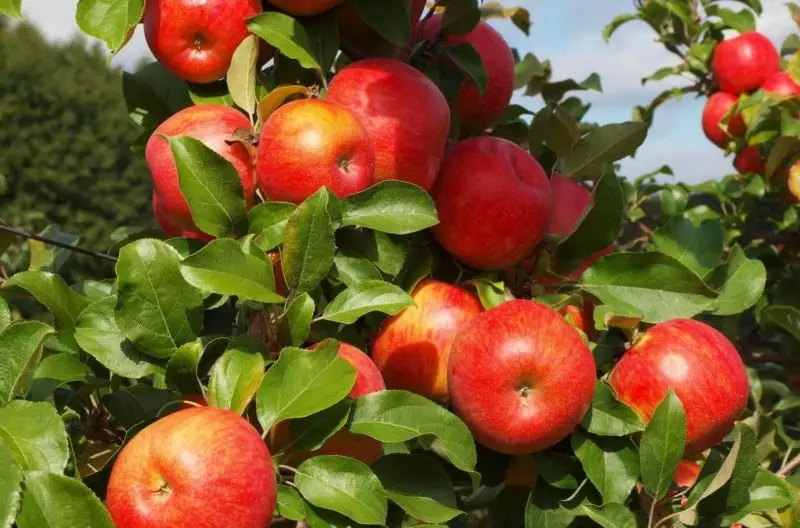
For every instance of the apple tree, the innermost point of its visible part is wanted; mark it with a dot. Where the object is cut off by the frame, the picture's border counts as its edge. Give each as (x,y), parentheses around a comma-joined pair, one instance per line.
(380,293)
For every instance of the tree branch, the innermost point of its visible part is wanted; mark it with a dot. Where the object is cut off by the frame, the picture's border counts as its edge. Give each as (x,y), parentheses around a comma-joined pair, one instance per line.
(789,467)
(51,242)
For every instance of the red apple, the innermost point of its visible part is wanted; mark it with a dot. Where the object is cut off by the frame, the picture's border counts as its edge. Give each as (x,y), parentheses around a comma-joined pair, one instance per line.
(478,111)
(714,110)
(196,40)
(214,125)
(493,200)
(742,64)
(362,37)
(305,7)
(412,348)
(311,143)
(748,160)
(581,318)
(200,467)
(173,231)
(520,377)
(573,199)
(686,473)
(699,364)
(406,115)
(781,83)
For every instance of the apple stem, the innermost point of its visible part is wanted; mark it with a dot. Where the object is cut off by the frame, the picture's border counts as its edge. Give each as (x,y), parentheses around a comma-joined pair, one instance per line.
(51,242)
(789,467)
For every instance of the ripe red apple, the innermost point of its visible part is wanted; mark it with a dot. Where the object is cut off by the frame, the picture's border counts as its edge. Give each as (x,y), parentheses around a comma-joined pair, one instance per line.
(311,143)
(699,364)
(173,231)
(581,318)
(520,377)
(493,200)
(781,83)
(406,115)
(362,37)
(573,199)
(748,160)
(714,110)
(686,473)
(214,125)
(742,64)
(200,467)
(478,111)
(305,7)
(196,40)
(412,348)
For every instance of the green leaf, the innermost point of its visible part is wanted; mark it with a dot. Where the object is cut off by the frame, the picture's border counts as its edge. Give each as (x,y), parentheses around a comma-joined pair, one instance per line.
(469,61)
(51,258)
(734,493)
(390,206)
(343,485)
(182,369)
(698,248)
(290,503)
(224,267)
(544,509)
(490,293)
(211,186)
(612,464)
(390,19)
(303,382)
(311,432)
(370,296)
(11,9)
(741,21)
(419,485)
(56,501)
(157,310)
(152,94)
(97,333)
(611,515)
(296,326)
(241,77)
(10,486)
(308,249)
(653,285)
(323,34)
(236,376)
(388,253)
(55,371)
(35,435)
(608,416)
(353,270)
(460,17)
(393,416)
(268,221)
(136,404)
(555,127)
(767,492)
(662,445)
(286,35)
(5,314)
(785,317)
(558,469)
(21,344)
(605,144)
(741,282)
(111,21)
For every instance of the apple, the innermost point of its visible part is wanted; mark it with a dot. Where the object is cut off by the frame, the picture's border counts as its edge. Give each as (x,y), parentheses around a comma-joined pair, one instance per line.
(742,64)
(478,111)
(362,37)
(196,40)
(581,318)
(493,200)
(173,231)
(699,364)
(573,199)
(411,349)
(305,7)
(216,126)
(748,160)
(714,110)
(793,182)
(311,143)
(520,377)
(686,473)
(521,472)
(405,114)
(781,83)
(201,467)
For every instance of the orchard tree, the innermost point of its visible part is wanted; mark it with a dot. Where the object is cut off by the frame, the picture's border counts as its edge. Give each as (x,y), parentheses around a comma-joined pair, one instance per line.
(381,294)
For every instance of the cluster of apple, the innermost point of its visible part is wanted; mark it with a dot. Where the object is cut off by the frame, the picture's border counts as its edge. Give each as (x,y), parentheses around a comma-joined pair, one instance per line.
(743,65)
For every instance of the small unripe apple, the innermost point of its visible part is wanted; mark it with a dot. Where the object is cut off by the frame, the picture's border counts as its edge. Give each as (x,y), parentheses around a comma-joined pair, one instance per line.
(305,7)
(793,181)
(781,83)
(196,40)
(748,160)
(520,377)
(200,467)
(742,64)
(311,143)
(714,110)
(411,349)
(494,203)
(699,364)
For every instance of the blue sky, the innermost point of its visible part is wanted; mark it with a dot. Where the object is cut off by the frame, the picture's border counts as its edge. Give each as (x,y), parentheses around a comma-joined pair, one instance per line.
(568,32)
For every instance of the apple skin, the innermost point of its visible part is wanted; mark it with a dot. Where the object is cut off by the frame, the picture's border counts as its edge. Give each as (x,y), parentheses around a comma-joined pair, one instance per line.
(742,64)
(174,471)
(781,83)
(686,473)
(520,377)
(213,125)
(311,143)
(412,348)
(366,40)
(478,111)
(305,7)
(173,231)
(793,182)
(573,200)
(699,364)
(196,40)
(748,160)
(494,203)
(714,110)
(406,115)
(581,318)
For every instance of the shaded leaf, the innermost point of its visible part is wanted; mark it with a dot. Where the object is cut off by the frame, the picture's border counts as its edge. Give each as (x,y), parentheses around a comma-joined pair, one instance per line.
(390,19)
(605,144)
(699,248)
(55,371)
(268,222)
(608,416)
(286,35)
(662,445)
(612,464)
(466,57)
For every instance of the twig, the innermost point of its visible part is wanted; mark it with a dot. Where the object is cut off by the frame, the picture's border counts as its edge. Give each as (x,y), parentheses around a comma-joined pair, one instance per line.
(789,467)
(51,242)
